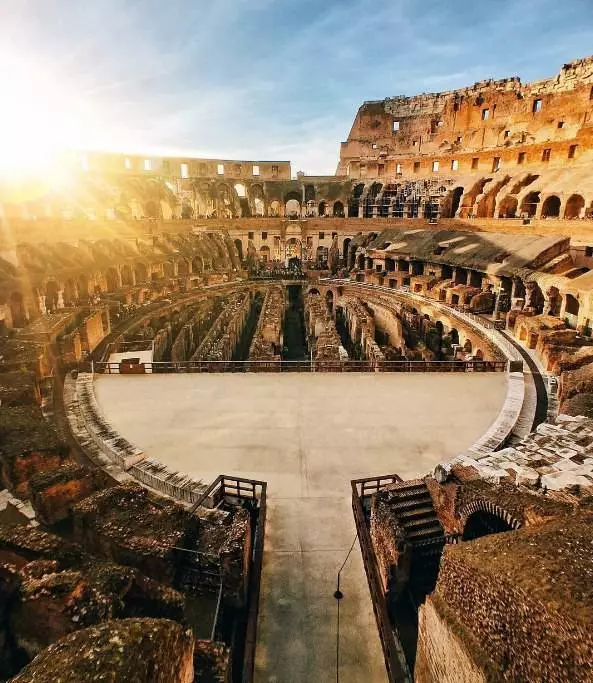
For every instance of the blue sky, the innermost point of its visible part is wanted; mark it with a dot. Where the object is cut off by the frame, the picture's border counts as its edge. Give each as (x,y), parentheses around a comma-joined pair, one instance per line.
(268,79)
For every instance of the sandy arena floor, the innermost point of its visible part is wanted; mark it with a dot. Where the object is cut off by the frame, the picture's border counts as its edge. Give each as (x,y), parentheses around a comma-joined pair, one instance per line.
(307,435)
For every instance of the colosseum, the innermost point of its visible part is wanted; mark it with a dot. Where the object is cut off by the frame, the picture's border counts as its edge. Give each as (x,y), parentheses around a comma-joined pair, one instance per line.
(258,427)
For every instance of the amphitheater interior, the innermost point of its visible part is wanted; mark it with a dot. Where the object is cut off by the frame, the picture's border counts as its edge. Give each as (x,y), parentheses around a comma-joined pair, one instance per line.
(257,427)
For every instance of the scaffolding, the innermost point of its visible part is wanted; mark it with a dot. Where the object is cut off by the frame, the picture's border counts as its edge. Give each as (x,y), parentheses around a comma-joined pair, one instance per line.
(406,198)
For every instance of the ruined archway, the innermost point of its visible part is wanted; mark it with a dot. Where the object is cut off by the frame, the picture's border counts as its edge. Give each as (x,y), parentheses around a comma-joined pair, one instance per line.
(508,207)
(481,518)
(551,207)
(321,208)
(354,200)
(292,204)
(529,204)
(574,206)
(127,275)
(338,210)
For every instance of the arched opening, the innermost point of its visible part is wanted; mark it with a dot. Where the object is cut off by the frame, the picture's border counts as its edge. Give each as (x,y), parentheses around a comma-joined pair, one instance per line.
(112,280)
(482,523)
(151,209)
(127,276)
(292,202)
(260,208)
(551,207)
(574,206)
(354,200)
(572,305)
(321,256)
(456,201)
(345,248)
(239,248)
(321,209)
(187,210)
(141,272)
(467,347)
(183,267)
(309,193)
(83,288)
(338,210)
(197,265)
(529,204)
(571,311)
(454,336)
(17,310)
(264,254)
(275,209)
(371,205)
(508,207)
(51,296)
(294,249)
(329,299)
(479,354)
(70,293)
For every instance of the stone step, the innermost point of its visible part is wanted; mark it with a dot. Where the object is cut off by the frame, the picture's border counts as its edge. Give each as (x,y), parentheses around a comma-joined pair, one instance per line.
(410,503)
(434,530)
(420,522)
(414,512)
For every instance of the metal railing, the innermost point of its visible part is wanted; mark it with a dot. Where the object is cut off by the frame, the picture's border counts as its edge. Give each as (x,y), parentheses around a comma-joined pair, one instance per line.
(297,366)
(395,662)
(236,490)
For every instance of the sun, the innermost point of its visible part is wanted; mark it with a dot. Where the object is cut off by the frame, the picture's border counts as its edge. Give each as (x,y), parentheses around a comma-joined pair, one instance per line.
(40,118)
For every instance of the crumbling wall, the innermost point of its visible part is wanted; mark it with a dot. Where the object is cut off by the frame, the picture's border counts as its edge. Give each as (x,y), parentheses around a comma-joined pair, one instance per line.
(521,601)
(139,650)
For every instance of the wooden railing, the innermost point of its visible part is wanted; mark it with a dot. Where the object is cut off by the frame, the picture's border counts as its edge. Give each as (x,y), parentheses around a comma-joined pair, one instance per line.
(395,662)
(234,490)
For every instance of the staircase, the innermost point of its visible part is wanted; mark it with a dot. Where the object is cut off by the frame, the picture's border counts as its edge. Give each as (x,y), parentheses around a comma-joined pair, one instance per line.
(412,506)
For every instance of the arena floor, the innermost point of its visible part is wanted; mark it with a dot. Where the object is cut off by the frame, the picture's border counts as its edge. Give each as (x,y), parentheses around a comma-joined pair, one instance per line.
(307,435)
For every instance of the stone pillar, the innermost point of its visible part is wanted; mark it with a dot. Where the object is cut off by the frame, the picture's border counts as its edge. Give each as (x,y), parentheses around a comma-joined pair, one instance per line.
(60,303)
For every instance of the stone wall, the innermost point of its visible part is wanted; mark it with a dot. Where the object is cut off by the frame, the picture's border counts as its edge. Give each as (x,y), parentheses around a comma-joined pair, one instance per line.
(442,656)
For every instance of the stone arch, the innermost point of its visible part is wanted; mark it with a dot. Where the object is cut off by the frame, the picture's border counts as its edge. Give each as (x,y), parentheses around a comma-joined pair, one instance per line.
(479,354)
(530,203)
(372,199)
(329,299)
(508,207)
(338,210)
(481,517)
(551,207)
(321,209)
(454,335)
(574,206)
(275,209)
(467,347)
(294,248)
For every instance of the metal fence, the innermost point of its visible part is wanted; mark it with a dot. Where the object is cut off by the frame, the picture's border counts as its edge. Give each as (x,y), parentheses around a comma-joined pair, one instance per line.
(297,366)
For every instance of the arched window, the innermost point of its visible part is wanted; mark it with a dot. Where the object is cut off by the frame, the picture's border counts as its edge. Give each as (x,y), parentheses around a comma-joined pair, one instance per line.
(551,207)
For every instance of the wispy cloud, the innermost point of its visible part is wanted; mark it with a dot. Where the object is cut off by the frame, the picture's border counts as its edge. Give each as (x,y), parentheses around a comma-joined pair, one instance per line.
(277,78)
